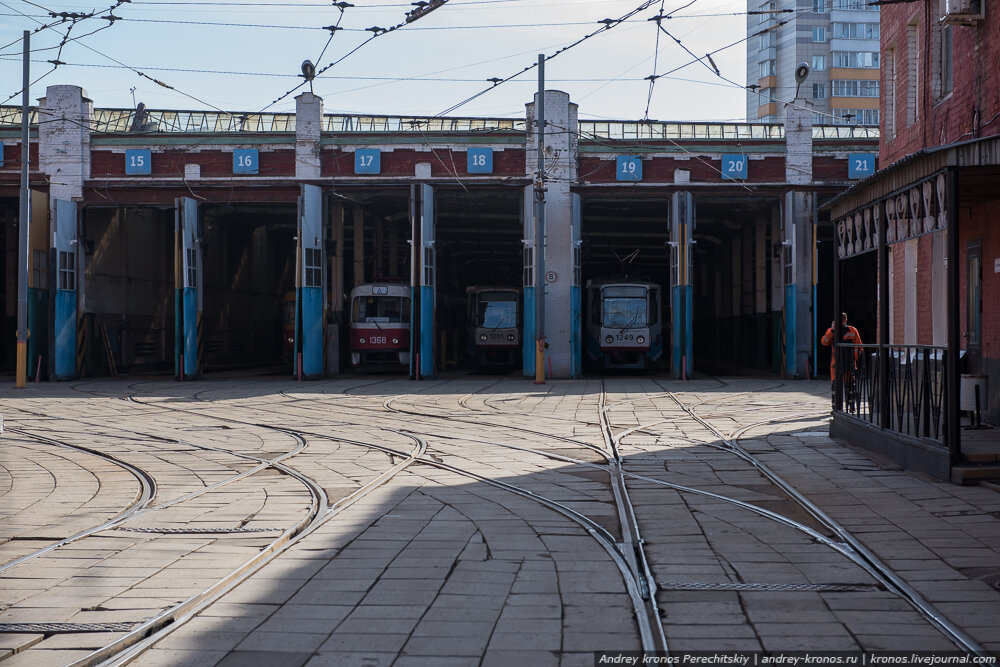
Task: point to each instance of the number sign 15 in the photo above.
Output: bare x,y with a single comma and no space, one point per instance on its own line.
367,161
735,167
860,165
138,162
246,161
629,168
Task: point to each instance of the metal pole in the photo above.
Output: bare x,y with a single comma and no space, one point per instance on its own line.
22,228
835,352
885,415
540,230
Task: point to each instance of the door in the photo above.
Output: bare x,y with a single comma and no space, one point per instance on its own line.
188,305
974,306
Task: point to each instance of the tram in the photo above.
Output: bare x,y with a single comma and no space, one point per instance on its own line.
624,330
380,325
494,325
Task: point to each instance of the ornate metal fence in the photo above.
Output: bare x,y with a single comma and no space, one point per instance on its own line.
915,387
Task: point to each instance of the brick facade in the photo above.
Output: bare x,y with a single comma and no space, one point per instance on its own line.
970,110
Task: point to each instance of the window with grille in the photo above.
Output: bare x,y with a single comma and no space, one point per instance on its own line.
67,270
192,267
40,268
529,267
428,266
313,267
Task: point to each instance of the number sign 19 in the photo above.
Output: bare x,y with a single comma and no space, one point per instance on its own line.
245,161
735,167
860,165
367,161
138,162
629,168
480,161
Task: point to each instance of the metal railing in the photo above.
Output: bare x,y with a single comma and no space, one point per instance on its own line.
916,387
119,121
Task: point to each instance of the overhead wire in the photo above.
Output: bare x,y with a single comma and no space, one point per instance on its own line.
656,57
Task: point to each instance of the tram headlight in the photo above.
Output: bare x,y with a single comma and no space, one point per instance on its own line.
362,341
609,339
640,339
395,341
510,337
482,337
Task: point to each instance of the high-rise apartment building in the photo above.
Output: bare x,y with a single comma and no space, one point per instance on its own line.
838,39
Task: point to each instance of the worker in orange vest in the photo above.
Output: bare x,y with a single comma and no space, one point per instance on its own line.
851,336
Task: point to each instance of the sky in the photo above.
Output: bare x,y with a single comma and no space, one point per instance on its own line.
246,55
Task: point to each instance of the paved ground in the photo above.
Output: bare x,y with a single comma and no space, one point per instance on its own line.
469,520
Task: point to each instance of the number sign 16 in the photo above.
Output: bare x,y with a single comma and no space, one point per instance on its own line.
629,168
138,162
246,161
480,161
735,167
860,165
367,161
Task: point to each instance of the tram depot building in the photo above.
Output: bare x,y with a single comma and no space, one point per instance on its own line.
180,241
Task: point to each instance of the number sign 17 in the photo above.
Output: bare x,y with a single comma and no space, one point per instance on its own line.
367,161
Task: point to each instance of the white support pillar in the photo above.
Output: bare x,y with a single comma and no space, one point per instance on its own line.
560,172
308,133
797,257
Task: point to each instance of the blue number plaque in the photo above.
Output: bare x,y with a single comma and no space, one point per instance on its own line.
138,162
245,161
480,161
860,165
735,167
629,168
367,161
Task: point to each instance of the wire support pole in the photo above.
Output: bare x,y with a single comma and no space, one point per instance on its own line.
540,230
22,227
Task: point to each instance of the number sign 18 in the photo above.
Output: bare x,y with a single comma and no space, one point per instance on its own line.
735,167
480,161
138,162
629,168
367,161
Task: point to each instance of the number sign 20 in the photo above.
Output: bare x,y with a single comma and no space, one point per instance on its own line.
629,168
138,162
735,167
367,161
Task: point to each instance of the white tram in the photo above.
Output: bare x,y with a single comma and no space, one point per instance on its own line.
623,324
495,325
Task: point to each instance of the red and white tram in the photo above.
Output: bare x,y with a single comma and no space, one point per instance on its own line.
380,325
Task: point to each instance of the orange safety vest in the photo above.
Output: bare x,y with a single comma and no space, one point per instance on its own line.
851,335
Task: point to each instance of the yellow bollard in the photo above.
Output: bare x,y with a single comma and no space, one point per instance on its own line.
540,362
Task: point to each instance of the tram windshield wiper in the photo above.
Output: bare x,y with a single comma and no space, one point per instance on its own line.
629,325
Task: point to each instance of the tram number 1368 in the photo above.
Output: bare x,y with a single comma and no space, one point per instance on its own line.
377,340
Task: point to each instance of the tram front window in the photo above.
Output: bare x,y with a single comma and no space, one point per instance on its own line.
497,314
624,312
381,309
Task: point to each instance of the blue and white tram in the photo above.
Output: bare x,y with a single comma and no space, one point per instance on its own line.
495,325
380,325
623,327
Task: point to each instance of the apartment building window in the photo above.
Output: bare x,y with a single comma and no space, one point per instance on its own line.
855,30
855,88
819,91
766,12
821,6
855,5
767,68
819,34
819,63
765,96
768,40
855,116
856,59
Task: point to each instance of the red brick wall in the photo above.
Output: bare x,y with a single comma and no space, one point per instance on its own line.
975,97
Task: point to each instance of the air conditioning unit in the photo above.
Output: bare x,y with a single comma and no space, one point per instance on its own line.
963,12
